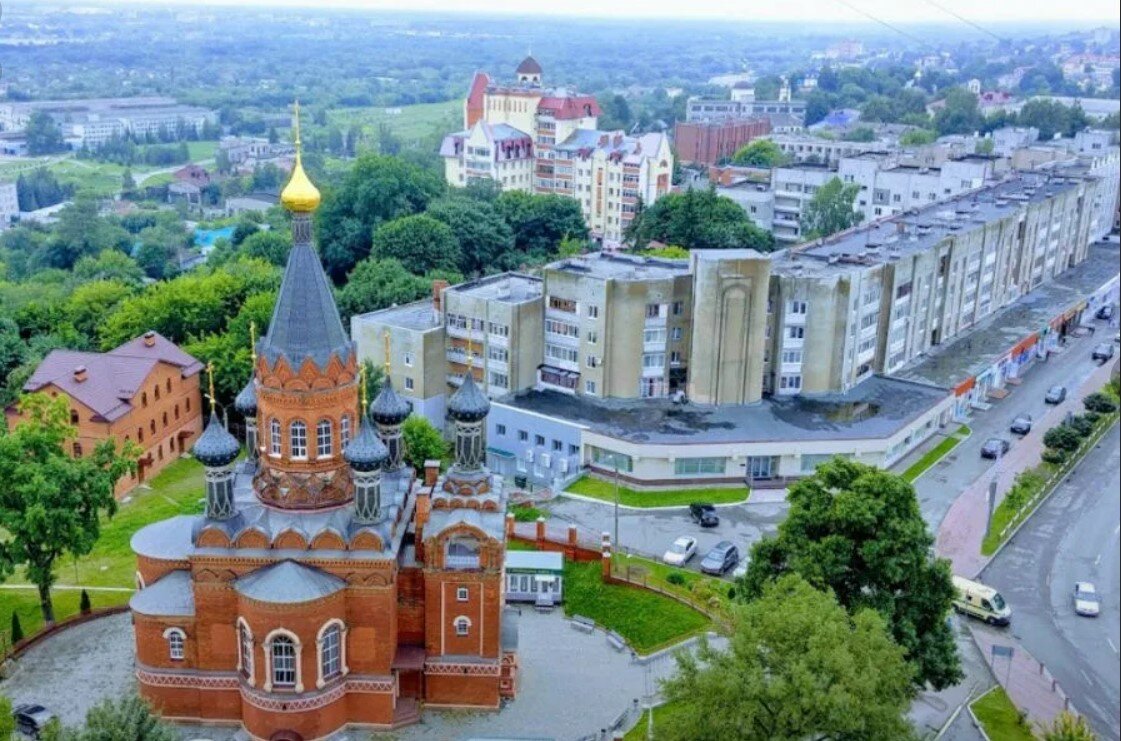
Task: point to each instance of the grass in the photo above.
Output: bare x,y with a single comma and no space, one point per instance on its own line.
528,513
935,454
694,586
649,621
662,713
413,123
1000,718
605,491
178,489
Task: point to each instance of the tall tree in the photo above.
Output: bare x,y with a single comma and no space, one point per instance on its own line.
857,530
485,239
759,153
375,284
539,223
831,210
959,114
52,501
43,135
419,242
698,219
127,719
797,667
422,441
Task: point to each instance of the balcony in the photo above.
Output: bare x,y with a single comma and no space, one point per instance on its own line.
464,332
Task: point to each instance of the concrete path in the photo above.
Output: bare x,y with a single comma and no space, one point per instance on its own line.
1028,683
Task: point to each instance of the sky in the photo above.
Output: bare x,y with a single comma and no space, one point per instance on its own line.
855,11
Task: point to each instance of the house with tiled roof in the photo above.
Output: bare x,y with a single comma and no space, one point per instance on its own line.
146,391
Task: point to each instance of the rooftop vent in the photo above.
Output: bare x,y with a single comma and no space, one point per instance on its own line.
149,340
80,374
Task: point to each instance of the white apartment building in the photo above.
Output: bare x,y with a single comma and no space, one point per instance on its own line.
93,121
496,152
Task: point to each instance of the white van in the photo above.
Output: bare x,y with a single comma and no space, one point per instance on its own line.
980,601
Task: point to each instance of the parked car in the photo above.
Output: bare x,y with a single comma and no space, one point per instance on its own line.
1103,351
1105,312
704,514
995,447
31,719
681,551
1021,425
1086,600
1056,395
980,601
722,557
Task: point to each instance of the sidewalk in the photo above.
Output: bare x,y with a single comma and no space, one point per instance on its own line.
963,528
1028,683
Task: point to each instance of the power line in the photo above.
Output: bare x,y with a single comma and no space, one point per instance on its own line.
965,20
885,24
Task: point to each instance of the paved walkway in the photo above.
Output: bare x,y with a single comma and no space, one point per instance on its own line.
1028,683
963,528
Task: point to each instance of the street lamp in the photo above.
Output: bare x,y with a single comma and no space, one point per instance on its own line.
991,494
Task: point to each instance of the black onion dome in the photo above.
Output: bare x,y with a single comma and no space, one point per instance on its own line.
469,403
216,446
388,408
365,451
246,400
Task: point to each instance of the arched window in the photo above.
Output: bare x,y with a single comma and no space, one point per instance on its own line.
245,650
144,399
462,625
73,416
274,436
324,441
177,411
165,419
282,649
157,390
344,430
176,643
330,652
297,439
152,426
462,553
169,385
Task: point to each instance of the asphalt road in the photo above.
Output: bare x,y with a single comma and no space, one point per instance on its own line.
938,488
1073,537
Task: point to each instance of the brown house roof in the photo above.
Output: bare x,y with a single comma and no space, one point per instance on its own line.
106,382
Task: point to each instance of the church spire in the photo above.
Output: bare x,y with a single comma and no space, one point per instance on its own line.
299,196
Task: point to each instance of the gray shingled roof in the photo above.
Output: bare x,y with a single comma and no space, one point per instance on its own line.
366,451
468,403
305,322
215,446
170,596
288,582
246,400
388,406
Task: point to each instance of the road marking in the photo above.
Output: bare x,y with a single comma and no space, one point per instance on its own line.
1110,642
1098,560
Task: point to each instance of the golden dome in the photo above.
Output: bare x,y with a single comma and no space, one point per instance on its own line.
300,195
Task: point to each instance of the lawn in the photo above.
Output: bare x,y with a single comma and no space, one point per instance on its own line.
692,585
935,454
178,489
649,621
1000,718
605,490
661,714
410,123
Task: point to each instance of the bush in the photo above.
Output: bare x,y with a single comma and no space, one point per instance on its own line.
84,603
675,578
1062,437
1081,425
1100,403
1054,457
17,629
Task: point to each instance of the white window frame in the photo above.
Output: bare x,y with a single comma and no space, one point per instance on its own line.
462,594
324,439
462,626
344,430
274,438
176,643
297,439
245,659
321,654
270,669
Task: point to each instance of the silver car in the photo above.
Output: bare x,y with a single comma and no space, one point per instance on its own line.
1086,600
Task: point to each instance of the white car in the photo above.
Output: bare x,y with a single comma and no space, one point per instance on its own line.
1086,600
681,551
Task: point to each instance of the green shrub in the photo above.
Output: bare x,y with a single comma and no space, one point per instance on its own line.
1081,425
84,603
17,629
1054,457
1100,403
1062,437
675,578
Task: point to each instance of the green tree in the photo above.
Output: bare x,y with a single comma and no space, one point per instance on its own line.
376,189
80,232
797,667
539,223
127,719
959,114
831,210
84,606
485,239
375,284
43,135
698,219
759,153
91,304
1067,726
128,182
53,501
7,722
268,245
985,146
917,137
109,265
419,242
1100,403
857,530
1062,437
422,442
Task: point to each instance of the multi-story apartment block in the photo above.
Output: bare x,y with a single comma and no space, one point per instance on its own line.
94,121
526,137
743,106
9,205
818,150
617,326
709,142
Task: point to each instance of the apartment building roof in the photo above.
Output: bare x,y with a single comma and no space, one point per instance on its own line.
918,230
632,149
876,408
509,288
420,316
622,267
990,339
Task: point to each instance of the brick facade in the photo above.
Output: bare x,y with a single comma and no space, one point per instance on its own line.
707,143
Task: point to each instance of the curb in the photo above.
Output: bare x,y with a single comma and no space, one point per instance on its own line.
960,441
973,716
632,508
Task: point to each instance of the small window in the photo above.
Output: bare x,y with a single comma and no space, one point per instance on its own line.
168,385
408,384
175,645
462,626
274,436
297,439
324,439
331,664
152,426
523,436
344,430
462,593
500,430
539,440
73,416
283,662
408,358
77,450
558,445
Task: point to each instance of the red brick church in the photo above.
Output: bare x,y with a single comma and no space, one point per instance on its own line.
324,585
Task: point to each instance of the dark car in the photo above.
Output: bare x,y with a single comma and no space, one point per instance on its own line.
1021,425
1103,351
1056,395
31,719
1105,312
723,556
704,514
995,447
